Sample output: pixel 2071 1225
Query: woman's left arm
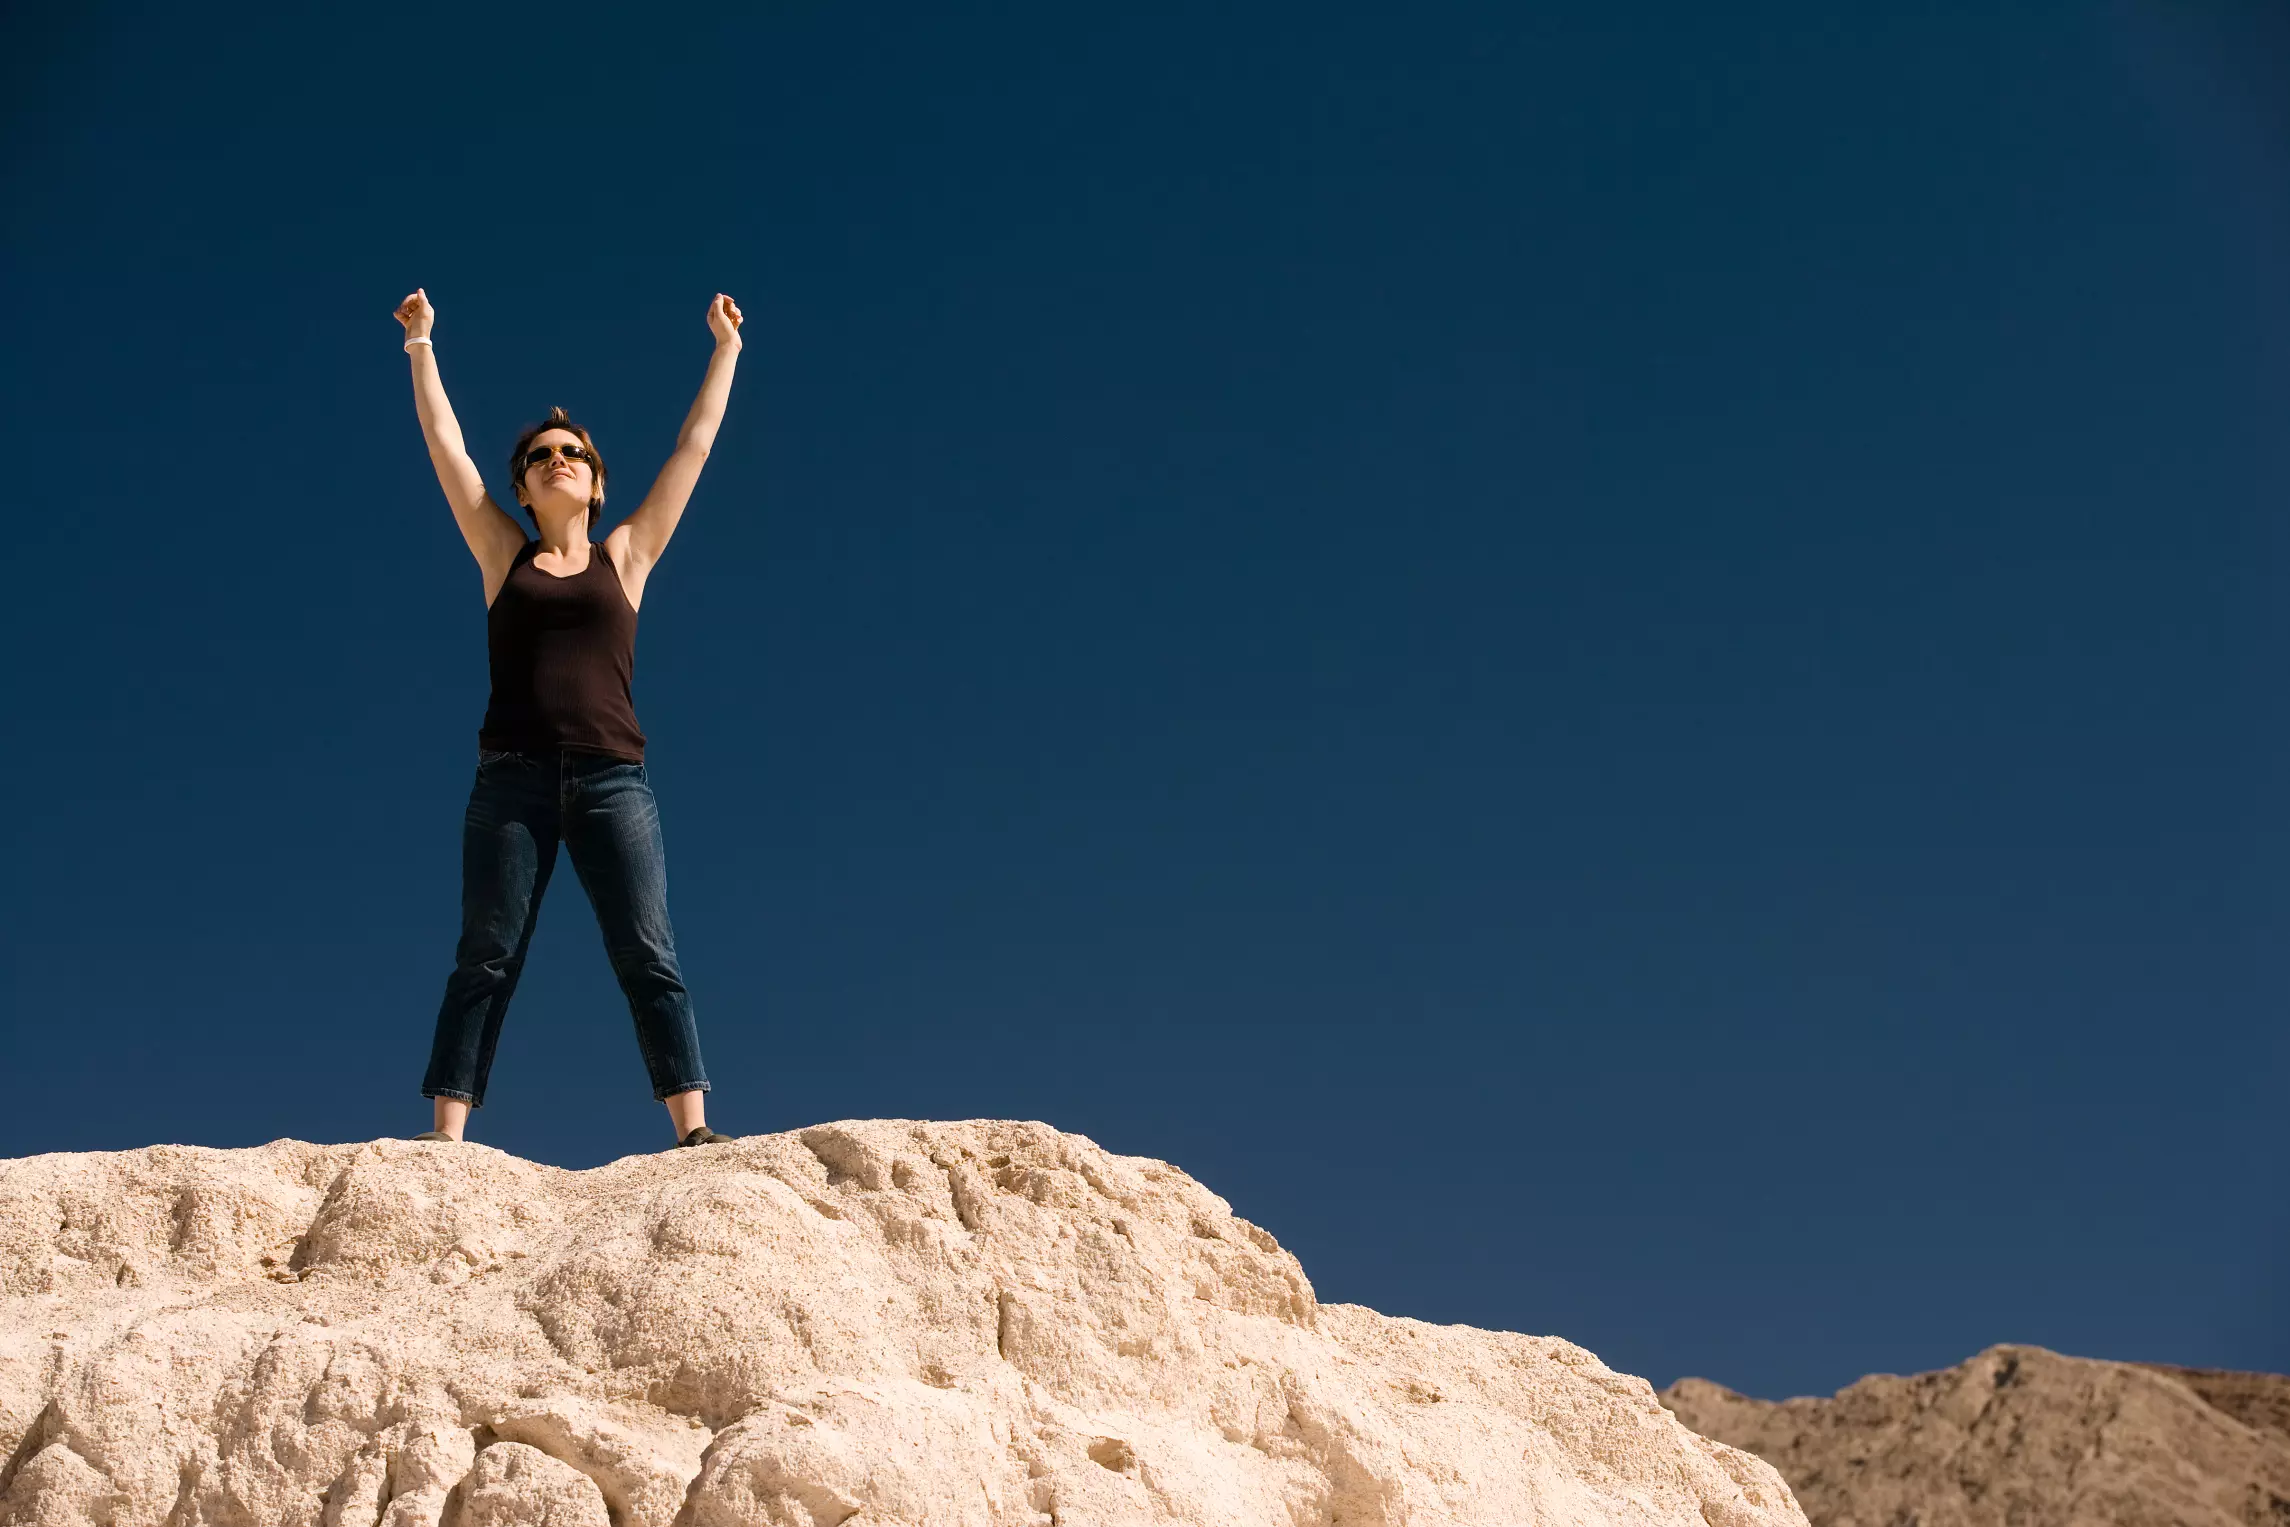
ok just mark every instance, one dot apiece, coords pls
pixel 655 519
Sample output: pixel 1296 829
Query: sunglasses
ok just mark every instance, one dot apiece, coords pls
pixel 541 453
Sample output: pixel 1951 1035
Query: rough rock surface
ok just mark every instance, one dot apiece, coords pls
pixel 868 1323
pixel 2022 1437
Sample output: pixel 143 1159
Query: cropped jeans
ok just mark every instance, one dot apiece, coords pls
pixel 602 809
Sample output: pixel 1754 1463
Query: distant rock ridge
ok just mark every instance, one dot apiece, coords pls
pixel 2022 1437
pixel 879 1324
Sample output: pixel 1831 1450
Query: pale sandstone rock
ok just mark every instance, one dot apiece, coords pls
pixel 980 1324
pixel 512 1485
pixel 2022 1437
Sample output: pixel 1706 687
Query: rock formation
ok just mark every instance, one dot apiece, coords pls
pixel 2022 1437
pixel 961 1325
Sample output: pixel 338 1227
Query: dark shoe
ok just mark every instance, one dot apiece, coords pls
pixel 435 1134
pixel 702 1135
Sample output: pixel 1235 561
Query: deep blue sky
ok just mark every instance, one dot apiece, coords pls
pixel 1624 671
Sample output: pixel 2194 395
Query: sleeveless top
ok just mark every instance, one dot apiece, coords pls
pixel 562 652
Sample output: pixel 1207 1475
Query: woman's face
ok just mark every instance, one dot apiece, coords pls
pixel 558 476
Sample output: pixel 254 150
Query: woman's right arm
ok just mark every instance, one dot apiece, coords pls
pixel 494 538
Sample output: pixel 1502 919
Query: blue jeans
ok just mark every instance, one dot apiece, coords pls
pixel 602 808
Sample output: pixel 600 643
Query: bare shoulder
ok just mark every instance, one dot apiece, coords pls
pixel 495 564
pixel 627 563
pixel 494 540
pixel 620 546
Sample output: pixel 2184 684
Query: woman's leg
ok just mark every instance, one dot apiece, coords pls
pixel 687 1110
pixel 612 832
pixel 508 849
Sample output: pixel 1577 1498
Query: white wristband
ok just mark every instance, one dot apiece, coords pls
pixel 424 340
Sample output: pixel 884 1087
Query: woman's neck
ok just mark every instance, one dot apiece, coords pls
pixel 561 536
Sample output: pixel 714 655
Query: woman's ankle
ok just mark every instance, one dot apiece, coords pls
pixel 687 1111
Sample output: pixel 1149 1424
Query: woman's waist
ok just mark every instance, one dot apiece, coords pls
pixel 542 730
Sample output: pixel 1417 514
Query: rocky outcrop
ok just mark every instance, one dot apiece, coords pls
pixel 2022 1437
pixel 965 1325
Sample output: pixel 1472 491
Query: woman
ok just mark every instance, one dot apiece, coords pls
pixel 560 757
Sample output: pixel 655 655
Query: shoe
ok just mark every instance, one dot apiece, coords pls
pixel 702 1135
pixel 435 1134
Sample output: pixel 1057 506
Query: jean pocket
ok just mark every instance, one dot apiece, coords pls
pixel 487 757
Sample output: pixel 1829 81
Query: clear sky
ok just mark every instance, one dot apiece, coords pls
pixel 1622 667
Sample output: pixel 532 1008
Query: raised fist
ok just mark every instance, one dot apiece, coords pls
pixel 723 318
pixel 416 314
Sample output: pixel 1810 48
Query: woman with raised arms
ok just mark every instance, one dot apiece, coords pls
pixel 559 757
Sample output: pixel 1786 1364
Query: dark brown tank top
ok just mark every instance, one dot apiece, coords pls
pixel 563 651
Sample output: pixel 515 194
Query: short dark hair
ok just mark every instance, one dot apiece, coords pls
pixel 557 419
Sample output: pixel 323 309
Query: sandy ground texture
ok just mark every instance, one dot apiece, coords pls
pixel 863 1323
pixel 2022 1437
